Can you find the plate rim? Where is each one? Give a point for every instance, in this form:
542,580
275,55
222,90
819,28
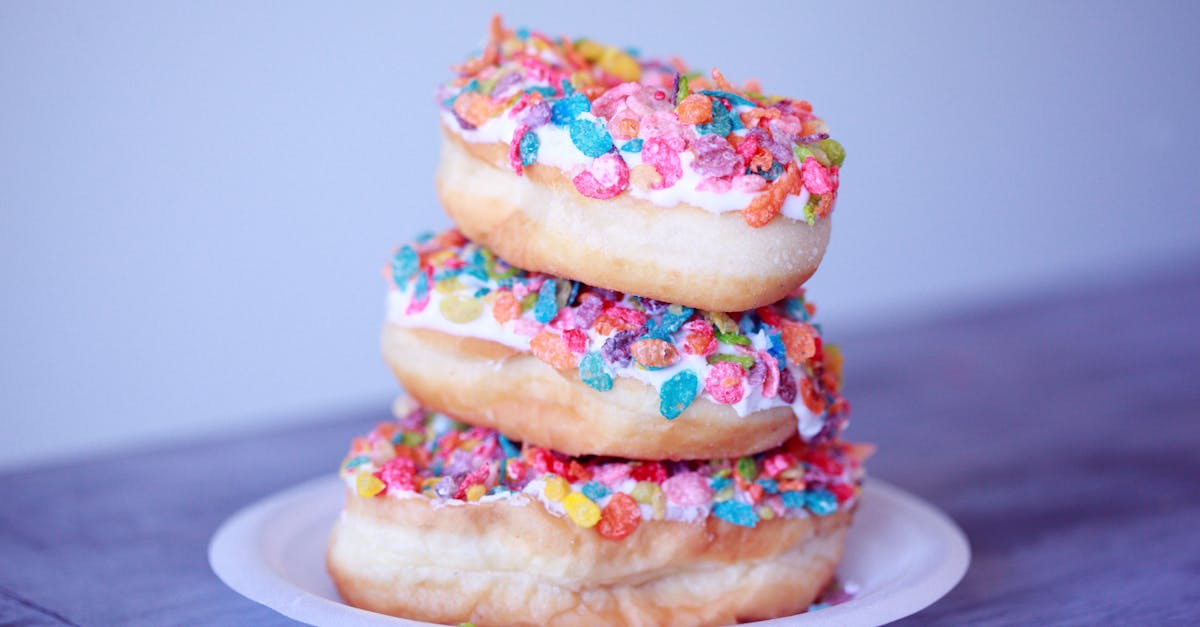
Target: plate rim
251,576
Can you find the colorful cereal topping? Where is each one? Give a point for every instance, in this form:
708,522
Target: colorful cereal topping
768,357
615,122
428,454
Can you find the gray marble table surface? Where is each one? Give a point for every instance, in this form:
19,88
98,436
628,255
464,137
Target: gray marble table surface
1061,432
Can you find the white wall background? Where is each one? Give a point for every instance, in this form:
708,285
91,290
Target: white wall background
196,199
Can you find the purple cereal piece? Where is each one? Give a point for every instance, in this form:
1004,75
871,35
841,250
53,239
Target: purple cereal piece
653,307
536,115
787,386
616,348
506,82
588,310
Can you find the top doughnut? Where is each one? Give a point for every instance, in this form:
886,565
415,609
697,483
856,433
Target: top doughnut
581,160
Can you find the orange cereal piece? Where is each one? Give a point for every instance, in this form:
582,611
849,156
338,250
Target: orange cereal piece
752,117
812,397
723,84
800,342
506,307
695,109
654,353
753,85
627,127
768,203
552,349
761,161
571,55
824,207
644,177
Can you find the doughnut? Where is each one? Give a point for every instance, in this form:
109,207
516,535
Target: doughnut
583,161
588,371
449,523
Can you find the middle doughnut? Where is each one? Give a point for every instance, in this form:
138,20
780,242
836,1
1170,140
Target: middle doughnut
588,371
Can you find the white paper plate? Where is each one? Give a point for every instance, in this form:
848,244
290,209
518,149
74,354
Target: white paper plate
902,554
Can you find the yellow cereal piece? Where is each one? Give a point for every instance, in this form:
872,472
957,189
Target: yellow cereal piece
460,308
368,485
475,492
644,492
765,512
429,482
620,64
833,360
448,286
556,488
581,509
437,258
724,494
589,49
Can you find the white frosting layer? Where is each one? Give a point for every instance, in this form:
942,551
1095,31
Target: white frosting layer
557,150
485,327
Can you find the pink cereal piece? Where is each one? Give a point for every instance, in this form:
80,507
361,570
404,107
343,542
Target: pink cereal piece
526,327
577,341
658,153
724,382
687,488
770,386
643,101
751,183
664,124
777,463
816,177
521,290
564,319
609,101
606,177
514,150
714,185
611,474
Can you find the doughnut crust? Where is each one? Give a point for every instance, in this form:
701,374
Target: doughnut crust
681,254
492,385
511,562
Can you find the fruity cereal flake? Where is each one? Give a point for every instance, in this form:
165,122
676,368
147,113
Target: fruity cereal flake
615,123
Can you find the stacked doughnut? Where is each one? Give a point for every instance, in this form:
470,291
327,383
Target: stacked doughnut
621,409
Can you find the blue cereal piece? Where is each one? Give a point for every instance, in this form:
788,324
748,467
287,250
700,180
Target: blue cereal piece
674,318
795,309
405,264
748,324
793,499
777,349
356,461
732,511
546,307
774,172
510,449
529,148
727,95
678,393
593,372
565,110
719,483
590,137
720,125
821,502
633,145
770,486
595,490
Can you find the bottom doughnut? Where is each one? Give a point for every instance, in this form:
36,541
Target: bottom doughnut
449,523
507,563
